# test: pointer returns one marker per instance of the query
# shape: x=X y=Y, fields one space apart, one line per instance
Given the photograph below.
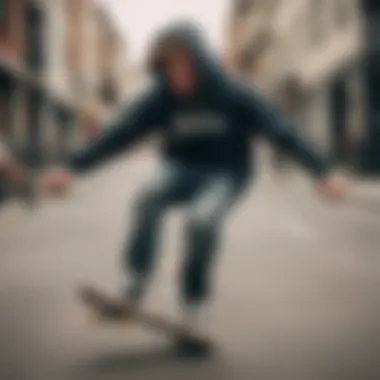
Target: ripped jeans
x=208 y=196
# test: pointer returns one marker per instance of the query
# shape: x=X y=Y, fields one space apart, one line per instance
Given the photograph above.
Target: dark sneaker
x=193 y=347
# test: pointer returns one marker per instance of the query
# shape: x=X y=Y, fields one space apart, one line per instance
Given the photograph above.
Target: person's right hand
x=56 y=181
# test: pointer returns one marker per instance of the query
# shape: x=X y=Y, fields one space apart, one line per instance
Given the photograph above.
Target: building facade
x=103 y=68
x=58 y=60
x=319 y=45
x=315 y=60
x=60 y=107
x=12 y=47
x=61 y=69
x=22 y=62
x=249 y=45
x=371 y=73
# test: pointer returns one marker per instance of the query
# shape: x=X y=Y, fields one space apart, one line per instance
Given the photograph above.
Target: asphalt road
x=297 y=295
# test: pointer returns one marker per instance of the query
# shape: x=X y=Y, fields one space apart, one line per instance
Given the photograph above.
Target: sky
x=140 y=19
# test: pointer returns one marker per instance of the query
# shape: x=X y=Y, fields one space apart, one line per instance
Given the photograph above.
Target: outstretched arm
x=275 y=127
x=258 y=113
x=132 y=124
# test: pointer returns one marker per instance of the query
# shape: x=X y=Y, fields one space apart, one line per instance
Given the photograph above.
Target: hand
x=332 y=187
x=56 y=181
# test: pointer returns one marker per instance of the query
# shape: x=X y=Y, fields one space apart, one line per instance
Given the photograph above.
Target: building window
x=108 y=91
x=4 y=15
x=246 y=60
x=35 y=54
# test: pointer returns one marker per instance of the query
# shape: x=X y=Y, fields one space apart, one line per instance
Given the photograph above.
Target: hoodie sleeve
x=131 y=124
x=268 y=121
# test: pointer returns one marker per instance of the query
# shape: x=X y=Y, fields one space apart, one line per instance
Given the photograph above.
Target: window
x=246 y=60
x=35 y=54
x=4 y=15
x=108 y=91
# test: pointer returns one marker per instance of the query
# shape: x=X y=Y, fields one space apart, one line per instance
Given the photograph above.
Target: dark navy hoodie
x=214 y=128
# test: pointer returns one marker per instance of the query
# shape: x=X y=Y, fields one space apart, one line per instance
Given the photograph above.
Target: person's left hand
x=332 y=187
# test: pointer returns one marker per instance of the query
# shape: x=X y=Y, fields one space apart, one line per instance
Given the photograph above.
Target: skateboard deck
x=110 y=309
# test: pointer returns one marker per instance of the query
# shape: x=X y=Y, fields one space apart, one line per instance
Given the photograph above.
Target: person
x=207 y=120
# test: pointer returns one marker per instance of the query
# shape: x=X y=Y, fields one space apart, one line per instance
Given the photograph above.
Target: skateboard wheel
x=193 y=347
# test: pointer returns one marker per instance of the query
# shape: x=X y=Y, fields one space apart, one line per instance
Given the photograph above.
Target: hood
x=190 y=37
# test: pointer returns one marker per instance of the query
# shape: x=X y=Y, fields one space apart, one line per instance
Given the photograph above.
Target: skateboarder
x=207 y=121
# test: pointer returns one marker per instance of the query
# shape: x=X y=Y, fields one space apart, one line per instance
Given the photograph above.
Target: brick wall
x=12 y=30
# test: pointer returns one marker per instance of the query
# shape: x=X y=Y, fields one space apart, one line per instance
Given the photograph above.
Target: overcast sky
x=139 y=19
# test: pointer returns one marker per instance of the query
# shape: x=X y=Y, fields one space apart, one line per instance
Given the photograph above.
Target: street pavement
x=297 y=284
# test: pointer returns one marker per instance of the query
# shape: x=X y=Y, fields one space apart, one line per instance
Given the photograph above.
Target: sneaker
x=195 y=340
x=193 y=347
x=195 y=318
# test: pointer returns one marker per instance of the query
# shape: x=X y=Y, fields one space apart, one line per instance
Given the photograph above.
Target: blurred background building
x=319 y=59
x=62 y=71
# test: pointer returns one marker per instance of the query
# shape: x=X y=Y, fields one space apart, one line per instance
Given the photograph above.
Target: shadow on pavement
x=158 y=362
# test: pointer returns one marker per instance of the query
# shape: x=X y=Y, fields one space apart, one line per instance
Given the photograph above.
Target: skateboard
x=108 y=309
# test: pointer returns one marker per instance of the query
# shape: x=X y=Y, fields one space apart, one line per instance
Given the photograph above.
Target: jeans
x=208 y=195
